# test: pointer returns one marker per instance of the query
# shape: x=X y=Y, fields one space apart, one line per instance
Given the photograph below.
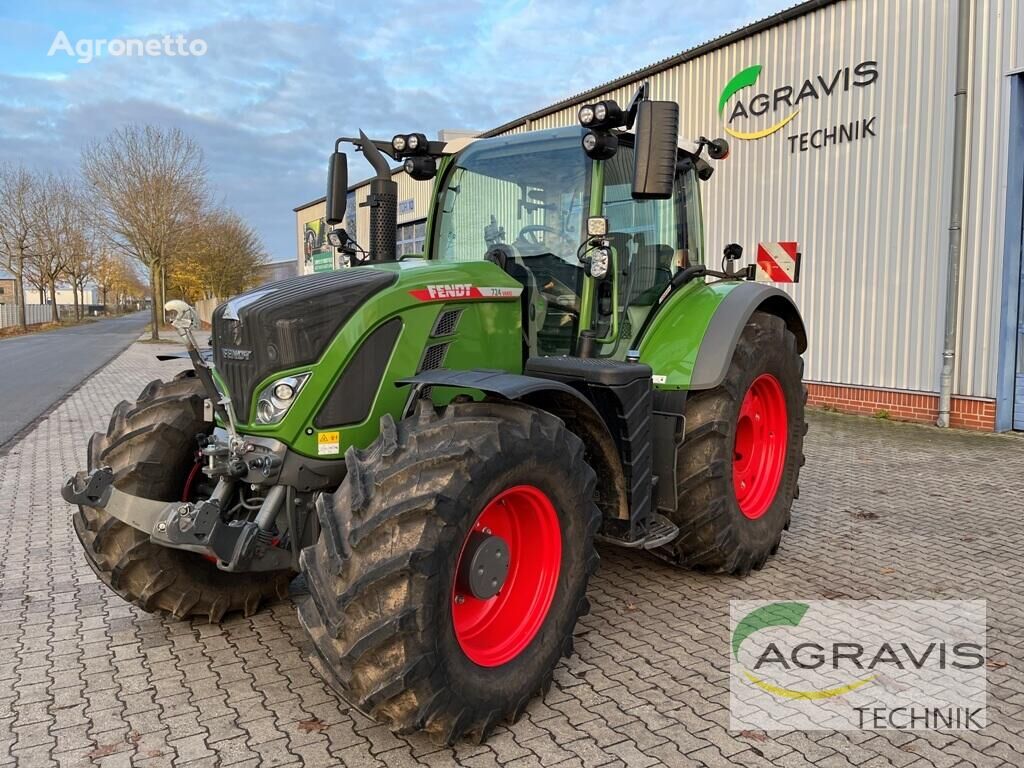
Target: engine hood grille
x=285 y=324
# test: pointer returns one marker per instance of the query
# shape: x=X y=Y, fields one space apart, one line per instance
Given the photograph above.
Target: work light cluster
x=600 y=118
x=406 y=144
x=415 y=148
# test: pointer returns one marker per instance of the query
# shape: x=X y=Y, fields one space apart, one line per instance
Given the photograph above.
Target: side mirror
x=657 y=136
x=337 y=187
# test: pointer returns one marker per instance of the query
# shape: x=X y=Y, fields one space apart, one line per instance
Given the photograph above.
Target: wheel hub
x=506 y=575
x=759 y=454
x=484 y=565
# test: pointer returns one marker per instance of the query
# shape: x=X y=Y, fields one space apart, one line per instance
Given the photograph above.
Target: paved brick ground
x=888 y=511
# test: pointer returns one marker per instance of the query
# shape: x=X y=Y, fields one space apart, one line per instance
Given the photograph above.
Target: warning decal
x=328 y=443
x=778 y=263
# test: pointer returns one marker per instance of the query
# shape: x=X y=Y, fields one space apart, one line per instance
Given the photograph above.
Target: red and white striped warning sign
x=778 y=263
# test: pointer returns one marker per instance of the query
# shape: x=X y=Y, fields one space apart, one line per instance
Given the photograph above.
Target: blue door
x=1018 y=390
x=1018 y=393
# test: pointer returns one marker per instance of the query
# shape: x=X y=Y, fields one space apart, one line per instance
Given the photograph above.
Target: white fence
x=205 y=307
x=34 y=313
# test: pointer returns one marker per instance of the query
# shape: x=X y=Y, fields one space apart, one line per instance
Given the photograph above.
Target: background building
x=7 y=295
x=88 y=296
x=841 y=116
x=273 y=271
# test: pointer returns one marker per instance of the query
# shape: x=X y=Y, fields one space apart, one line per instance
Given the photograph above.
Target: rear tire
x=382 y=576
x=151 y=448
x=721 y=527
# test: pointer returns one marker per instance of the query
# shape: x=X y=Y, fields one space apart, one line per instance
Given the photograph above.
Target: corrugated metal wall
x=870 y=215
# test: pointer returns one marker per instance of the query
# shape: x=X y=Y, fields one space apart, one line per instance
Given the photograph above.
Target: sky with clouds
x=280 y=80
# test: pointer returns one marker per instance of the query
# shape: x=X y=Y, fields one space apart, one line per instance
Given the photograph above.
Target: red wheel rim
x=493 y=632
x=759 y=455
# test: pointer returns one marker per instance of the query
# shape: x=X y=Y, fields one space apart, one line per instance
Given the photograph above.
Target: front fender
x=690 y=342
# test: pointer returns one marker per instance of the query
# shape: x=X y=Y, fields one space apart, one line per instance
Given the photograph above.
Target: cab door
x=651 y=238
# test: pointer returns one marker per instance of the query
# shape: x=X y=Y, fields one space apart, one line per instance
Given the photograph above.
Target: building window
x=410 y=237
x=350 y=214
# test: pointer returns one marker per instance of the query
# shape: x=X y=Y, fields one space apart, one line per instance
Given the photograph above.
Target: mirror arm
x=642 y=94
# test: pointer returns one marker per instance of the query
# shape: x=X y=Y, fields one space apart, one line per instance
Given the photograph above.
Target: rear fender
x=691 y=340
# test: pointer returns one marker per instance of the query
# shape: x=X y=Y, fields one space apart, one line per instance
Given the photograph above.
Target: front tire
x=151 y=447
x=739 y=465
x=396 y=632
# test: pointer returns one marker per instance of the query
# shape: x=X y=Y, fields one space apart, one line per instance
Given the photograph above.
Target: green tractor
x=439 y=442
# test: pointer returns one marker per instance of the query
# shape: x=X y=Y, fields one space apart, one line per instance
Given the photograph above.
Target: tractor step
x=660 y=531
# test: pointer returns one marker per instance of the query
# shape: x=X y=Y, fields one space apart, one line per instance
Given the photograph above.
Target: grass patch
x=16 y=330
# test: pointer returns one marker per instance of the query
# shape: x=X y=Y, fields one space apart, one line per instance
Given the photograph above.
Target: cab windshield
x=526 y=196
x=529 y=191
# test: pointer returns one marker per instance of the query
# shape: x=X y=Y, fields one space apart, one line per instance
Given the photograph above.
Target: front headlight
x=277 y=397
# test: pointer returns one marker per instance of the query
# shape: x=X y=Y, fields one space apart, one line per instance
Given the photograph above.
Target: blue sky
x=280 y=80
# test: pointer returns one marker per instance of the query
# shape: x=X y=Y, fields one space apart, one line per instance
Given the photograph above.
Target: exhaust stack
x=382 y=202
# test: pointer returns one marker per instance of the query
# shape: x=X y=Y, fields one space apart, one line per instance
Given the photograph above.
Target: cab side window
x=652 y=239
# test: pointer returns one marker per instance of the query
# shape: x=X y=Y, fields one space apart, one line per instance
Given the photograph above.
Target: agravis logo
x=741 y=80
x=855 y=664
x=783 y=103
x=781 y=615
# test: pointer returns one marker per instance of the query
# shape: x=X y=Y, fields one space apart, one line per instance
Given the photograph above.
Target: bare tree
x=81 y=241
x=58 y=219
x=19 y=191
x=150 y=182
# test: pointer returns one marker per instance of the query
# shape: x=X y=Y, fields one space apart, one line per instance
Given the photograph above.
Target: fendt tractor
x=437 y=442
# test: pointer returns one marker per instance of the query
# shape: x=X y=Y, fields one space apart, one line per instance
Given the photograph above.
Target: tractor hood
x=286 y=324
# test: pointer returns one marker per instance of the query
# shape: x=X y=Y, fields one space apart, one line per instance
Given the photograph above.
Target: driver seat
x=533 y=305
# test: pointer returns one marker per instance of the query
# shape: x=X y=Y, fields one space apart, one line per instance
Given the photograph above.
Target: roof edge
x=782 y=17
x=688 y=55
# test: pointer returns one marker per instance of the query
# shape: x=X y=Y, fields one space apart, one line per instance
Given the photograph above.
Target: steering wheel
x=528 y=234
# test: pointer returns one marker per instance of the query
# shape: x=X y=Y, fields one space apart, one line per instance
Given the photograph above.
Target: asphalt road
x=38 y=369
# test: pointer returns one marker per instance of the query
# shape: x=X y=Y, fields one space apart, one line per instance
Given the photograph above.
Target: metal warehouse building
x=886 y=137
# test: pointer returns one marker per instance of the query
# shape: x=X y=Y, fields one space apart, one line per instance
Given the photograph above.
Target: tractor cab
x=594 y=221
x=525 y=202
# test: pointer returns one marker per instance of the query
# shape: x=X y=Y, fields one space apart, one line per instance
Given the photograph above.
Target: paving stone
x=86 y=679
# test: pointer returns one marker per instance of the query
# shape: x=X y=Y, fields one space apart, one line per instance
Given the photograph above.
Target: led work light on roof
x=421 y=168
x=410 y=144
x=600 y=145
x=604 y=114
